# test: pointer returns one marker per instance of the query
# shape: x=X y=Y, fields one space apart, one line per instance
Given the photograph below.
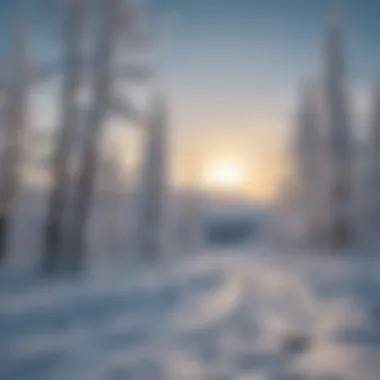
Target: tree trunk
x=72 y=33
x=14 y=128
x=102 y=79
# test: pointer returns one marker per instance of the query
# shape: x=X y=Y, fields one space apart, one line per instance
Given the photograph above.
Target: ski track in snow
x=212 y=317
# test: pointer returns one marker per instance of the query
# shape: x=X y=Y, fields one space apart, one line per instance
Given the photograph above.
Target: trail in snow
x=225 y=315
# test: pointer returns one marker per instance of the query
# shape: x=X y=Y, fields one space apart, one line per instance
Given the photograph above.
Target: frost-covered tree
x=101 y=88
x=92 y=32
x=374 y=162
x=116 y=33
x=308 y=164
x=15 y=97
x=339 y=143
x=72 y=31
x=153 y=226
x=190 y=218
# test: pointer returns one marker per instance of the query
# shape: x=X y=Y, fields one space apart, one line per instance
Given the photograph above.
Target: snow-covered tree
x=72 y=32
x=101 y=87
x=153 y=226
x=339 y=142
x=190 y=219
x=308 y=164
x=374 y=162
x=115 y=32
x=15 y=98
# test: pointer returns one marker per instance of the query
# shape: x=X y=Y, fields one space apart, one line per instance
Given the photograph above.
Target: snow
x=218 y=315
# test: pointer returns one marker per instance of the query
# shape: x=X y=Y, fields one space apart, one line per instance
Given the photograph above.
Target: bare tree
x=72 y=76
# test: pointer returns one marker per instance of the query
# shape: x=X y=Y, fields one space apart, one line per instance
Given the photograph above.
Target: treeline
x=96 y=42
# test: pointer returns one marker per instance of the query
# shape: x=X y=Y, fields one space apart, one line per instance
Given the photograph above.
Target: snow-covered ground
x=242 y=314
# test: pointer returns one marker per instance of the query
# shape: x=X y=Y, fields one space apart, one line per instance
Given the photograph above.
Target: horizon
x=231 y=72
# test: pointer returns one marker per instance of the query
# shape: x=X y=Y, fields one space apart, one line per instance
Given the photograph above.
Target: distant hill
x=231 y=221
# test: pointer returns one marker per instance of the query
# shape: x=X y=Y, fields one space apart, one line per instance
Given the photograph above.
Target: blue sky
x=232 y=69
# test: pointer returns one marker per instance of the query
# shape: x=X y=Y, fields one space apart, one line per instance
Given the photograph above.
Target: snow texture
x=244 y=314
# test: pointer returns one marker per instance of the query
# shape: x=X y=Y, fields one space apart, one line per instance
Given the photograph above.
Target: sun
x=223 y=175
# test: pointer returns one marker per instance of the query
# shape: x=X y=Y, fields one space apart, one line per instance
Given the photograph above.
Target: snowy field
x=218 y=316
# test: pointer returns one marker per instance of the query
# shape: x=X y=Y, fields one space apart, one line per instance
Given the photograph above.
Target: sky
x=231 y=70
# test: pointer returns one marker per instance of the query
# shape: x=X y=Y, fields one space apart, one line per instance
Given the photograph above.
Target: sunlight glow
x=224 y=175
